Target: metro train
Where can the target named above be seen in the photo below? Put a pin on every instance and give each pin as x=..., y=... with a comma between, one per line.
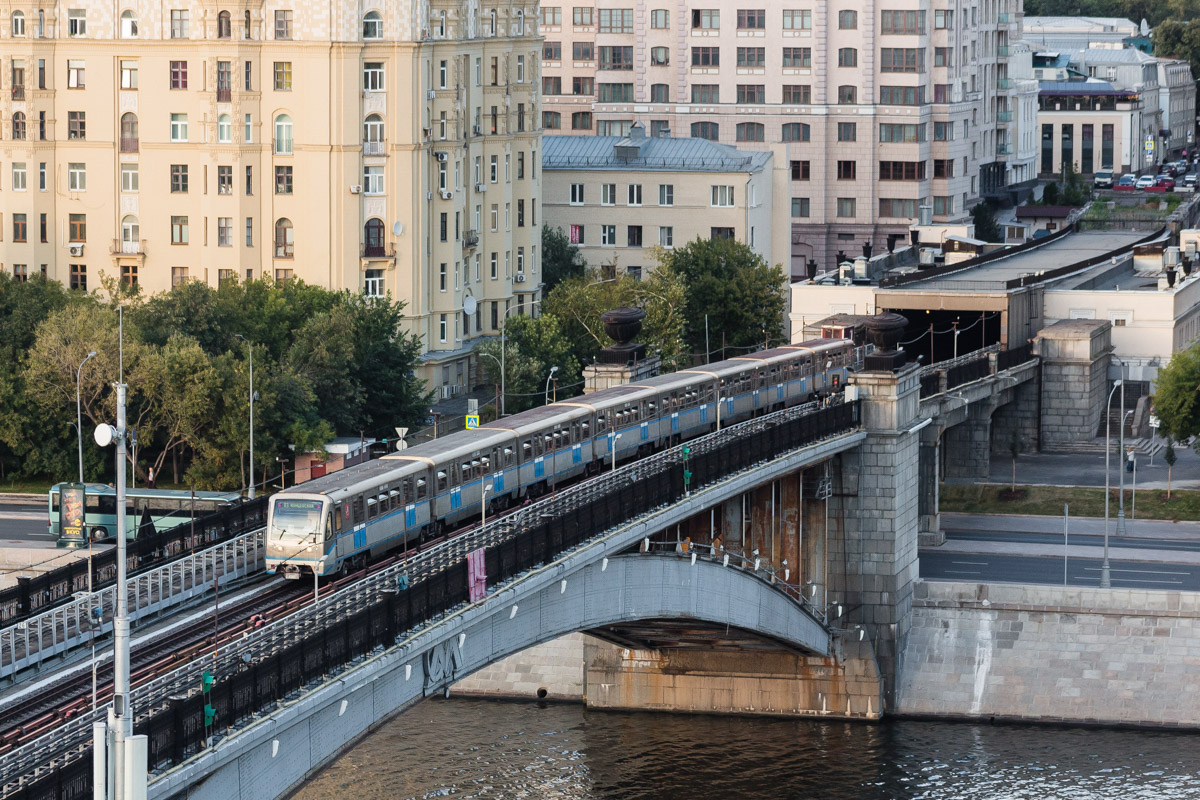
x=336, y=522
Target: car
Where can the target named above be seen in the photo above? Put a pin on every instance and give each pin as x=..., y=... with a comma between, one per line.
x=1189, y=181
x=1163, y=183
x=1145, y=182
x=1103, y=180
x=1126, y=184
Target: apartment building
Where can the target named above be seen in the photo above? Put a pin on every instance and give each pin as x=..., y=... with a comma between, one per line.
x=377, y=147
x=605, y=191
x=869, y=114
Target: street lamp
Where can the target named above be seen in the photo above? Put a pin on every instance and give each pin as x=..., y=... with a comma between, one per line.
x=79, y=410
x=493, y=358
x=483, y=506
x=504, y=339
x=1105, y=581
x=549, y=378
x=250, y=350
x=613, y=447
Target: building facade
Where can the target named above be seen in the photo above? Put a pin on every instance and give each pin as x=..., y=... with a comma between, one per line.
x=382, y=147
x=598, y=190
x=869, y=115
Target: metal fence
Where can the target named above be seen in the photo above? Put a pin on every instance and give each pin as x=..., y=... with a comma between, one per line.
x=277, y=660
x=1013, y=356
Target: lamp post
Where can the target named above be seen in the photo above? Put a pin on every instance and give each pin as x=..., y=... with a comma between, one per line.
x=493, y=358
x=1105, y=581
x=504, y=348
x=79, y=412
x=1121, y=469
x=250, y=350
x=550, y=377
x=483, y=506
x=613, y=439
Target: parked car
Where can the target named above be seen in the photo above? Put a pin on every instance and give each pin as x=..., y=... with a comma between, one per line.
x=1145, y=182
x=1189, y=181
x=1163, y=183
x=1127, y=183
x=1103, y=180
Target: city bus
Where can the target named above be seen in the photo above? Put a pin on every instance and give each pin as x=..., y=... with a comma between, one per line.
x=165, y=509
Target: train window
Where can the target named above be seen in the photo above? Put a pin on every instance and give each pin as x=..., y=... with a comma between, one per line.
x=601, y=423
x=508, y=455
x=358, y=509
x=395, y=499
x=420, y=488
x=407, y=491
x=485, y=464
x=548, y=442
x=650, y=408
x=583, y=430
x=441, y=481
x=372, y=508
x=466, y=472
x=337, y=517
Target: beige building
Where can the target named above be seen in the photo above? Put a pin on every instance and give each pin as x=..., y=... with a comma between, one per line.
x=869, y=114
x=605, y=191
x=377, y=147
x=1094, y=126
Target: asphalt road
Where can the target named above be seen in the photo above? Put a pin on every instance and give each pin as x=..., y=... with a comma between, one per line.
x=979, y=568
x=1096, y=540
x=24, y=523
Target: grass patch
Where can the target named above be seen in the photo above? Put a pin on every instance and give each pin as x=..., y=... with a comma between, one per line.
x=25, y=487
x=992, y=498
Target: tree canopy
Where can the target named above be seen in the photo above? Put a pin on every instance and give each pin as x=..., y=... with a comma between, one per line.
x=1177, y=395
x=560, y=258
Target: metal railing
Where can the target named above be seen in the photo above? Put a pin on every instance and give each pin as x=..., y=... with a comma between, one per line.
x=274, y=661
x=30, y=642
x=373, y=148
x=129, y=144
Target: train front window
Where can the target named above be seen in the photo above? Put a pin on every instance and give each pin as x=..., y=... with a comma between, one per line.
x=297, y=517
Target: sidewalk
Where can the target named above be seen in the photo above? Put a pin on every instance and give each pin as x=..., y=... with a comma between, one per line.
x=1087, y=469
x=1018, y=523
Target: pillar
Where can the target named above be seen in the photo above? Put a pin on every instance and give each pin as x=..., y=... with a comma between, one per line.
x=928, y=460
x=814, y=561
x=969, y=444
x=789, y=527
x=731, y=523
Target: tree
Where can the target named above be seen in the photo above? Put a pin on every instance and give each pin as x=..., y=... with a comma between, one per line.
x=560, y=258
x=1179, y=38
x=1075, y=191
x=1050, y=195
x=1170, y=457
x=986, y=226
x=1177, y=396
x=1014, y=450
x=181, y=375
x=532, y=347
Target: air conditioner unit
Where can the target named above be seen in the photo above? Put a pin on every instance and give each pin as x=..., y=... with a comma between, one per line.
x=75, y=249
x=443, y=156
x=427, y=132
x=481, y=187
x=446, y=194
x=431, y=94
x=520, y=277
x=355, y=188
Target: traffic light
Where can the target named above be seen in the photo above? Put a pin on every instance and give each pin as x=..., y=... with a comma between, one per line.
x=210, y=714
x=206, y=681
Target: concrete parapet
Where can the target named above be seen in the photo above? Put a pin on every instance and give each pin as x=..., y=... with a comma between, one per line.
x=1074, y=355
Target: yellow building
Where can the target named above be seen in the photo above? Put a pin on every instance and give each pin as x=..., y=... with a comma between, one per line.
x=377, y=147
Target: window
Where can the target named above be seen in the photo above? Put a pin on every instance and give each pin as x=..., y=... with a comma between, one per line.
x=178, y=74
x=706, y=93
x=179, y=178
x=373, y=76
x=942, y=19
x=608, y=235
x=224, y=180
x=847, y=57
x=722, y=197
x=847, y=170
x=660, y=18
x=284, y=238
x=248, y=129
x=129, y=178
x=129, y=74
x=796, y=132
x=797, y=56
x=583, y=51
x=847, y=131
x=720, y=233
x=552, y=15
x=902, y=59
x=283, y=24
x=18, y=125
x=552, y=84
x=666, y=236
x=904, y=22
x=901, y=133
x=582, y=16
x=845, y=206
x=901, y=170
x=751, y=56
x=942, y=93
x=224, y=129
x=179, y=276
x=706, y=130
x=372, y=25
x=20, y=228
x=76, y=177
x=77, y=228
x=943, y=168
x=224, y=231
x=659, y=56
x=551, y=51
x=847, y=95
x=581, y=121
x=751, y=93
x=666, y=194
x=283, y=76
x=943, y=131
x=442, y=331
x=608, y=194
x=660, y=93
x=75, y=74
x=797, y=94
x=943, y=57
x=897, y=208
x=180, y=23
x=706, y=56
x=179, y=128
x=943, y=205
x=79, y=277
x=373, y=180
x=902, y=95
x=751, y=132
x=620, y=58
x=705, y=19
x=801, y=170
x=583, y=86
x=797, y=19
x=76, y=22
x=800, y=207
x=751, y=19
x=18, y=23
x=634, y=235
x=18, y=176
x=249, y=180
x=224, y=26
x=847, y=20
x=615, y=93
x=373, y=280
x=76, y=124
x=283, y=135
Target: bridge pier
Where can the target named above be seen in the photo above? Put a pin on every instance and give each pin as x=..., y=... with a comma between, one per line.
x=969, y=444
x=928, y=468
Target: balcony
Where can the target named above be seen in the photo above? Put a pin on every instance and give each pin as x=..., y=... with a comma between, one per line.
x=1004, y=117
x=376, y=251
x=224, y=94
x=129, y=144
x=373, y=148
x=119, y=247
x=1004, y=51
x=1004, y=84
x=1005, y=18
x=18, y=92
x=470, y=240
x=1004, y=149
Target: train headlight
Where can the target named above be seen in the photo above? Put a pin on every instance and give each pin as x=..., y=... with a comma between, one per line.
x=308, y=549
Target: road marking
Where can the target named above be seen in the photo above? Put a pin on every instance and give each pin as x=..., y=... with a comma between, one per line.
x=971, y=563
x=961, y=572
x=1139, y=571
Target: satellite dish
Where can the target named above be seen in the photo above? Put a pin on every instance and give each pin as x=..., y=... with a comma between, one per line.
x=469, y=305
x=104, y=435
x=397, y=228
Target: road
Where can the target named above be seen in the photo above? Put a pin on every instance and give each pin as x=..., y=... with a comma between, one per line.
x=979, y=568
x=24, y=523
x=1087, y=469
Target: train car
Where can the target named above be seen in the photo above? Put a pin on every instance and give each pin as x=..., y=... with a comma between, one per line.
x=335, y=522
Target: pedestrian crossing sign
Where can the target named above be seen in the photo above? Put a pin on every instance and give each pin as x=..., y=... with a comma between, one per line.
x=472, y=420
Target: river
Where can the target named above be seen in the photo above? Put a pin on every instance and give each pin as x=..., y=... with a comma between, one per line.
x=485, y=749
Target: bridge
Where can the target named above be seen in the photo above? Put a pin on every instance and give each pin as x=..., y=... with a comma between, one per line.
x=795, y=532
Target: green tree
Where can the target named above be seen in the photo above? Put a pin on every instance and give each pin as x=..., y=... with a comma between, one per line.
x=1050, y=195
x=533, y=346
x=1170, y=457
x=1179, y=37
x=986, y=227
x=182, y=378
x=1177, y=397
x=1075, y=192
x=741, y=295
x=560, y=258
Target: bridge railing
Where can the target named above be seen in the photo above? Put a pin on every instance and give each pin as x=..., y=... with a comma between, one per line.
x=969, y=367
x=277, y=660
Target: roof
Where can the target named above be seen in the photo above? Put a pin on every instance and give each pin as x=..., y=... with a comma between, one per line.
x=667, y=154
x=1104, y=55
x=1082, y=24
x=1089, y=87
x=1038, y=212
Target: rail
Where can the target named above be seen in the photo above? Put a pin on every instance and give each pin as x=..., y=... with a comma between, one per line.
x=32, y=641
x=275, y=661
x=976, y=365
